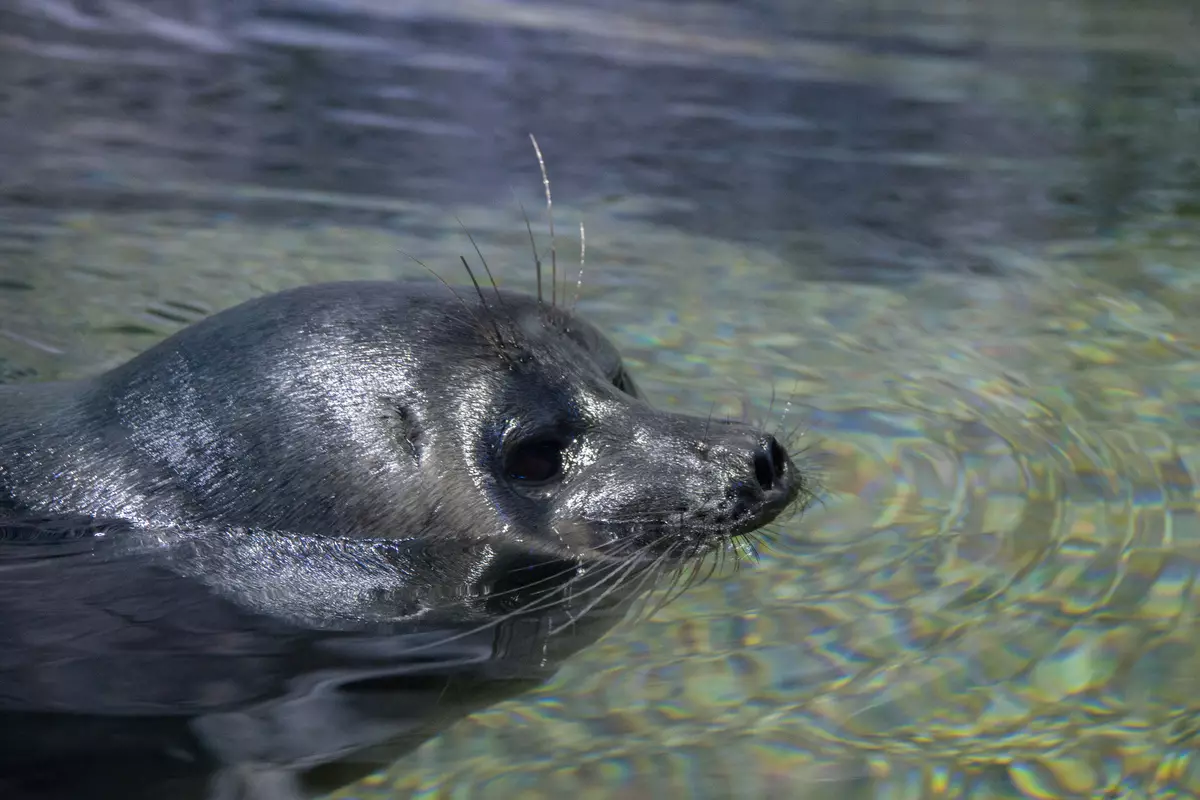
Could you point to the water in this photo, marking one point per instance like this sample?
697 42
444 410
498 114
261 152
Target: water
957 242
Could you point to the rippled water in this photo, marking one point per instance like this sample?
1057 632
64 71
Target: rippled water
959 245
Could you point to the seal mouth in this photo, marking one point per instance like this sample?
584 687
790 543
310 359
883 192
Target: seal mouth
752 504
768 486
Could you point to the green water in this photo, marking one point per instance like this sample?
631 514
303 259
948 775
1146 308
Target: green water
997 597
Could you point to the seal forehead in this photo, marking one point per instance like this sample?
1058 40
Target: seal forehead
556 333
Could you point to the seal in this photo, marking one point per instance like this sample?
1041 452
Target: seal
328 521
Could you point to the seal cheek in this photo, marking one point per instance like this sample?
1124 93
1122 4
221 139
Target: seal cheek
574 535
604 511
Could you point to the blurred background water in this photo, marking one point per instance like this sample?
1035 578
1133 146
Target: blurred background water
959 242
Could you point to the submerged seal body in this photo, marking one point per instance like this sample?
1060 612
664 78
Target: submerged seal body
328 520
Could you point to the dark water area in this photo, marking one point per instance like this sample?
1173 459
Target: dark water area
898 139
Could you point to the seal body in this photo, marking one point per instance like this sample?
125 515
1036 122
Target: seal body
313 529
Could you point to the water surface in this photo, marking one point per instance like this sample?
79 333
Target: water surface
956 242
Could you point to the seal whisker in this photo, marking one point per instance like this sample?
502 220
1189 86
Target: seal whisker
660 569
745 551
479 324
561 596
779 426
677 577
638 550
620 571
792 434
539 582
52 350
620 580
743 395
654 573
737 555
677 588
540 603
698 564
617 547
550 218
694 576
684 553
648 518
755 542
482 260
537 260
579 280
483 302
579 576
708 422
631 550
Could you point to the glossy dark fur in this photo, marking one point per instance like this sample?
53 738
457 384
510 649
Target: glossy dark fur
295 534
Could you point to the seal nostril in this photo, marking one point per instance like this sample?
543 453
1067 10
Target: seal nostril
764 472
779 457
768 463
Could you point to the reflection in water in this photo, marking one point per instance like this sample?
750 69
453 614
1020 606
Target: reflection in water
1139 124
153 685
891 159
997 599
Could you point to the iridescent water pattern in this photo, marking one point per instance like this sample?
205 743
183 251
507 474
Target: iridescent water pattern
997 597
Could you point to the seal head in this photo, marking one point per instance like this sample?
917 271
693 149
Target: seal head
395 413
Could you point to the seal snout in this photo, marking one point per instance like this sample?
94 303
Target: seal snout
768 487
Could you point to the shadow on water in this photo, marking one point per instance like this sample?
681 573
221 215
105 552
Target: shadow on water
958 241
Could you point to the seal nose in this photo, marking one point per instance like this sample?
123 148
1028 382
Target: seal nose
769 490
770 461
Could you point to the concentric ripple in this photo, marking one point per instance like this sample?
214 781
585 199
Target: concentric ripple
995 599
1016 574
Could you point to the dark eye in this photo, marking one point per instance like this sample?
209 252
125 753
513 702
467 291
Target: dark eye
535 462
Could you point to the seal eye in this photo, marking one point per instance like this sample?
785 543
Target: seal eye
536 462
